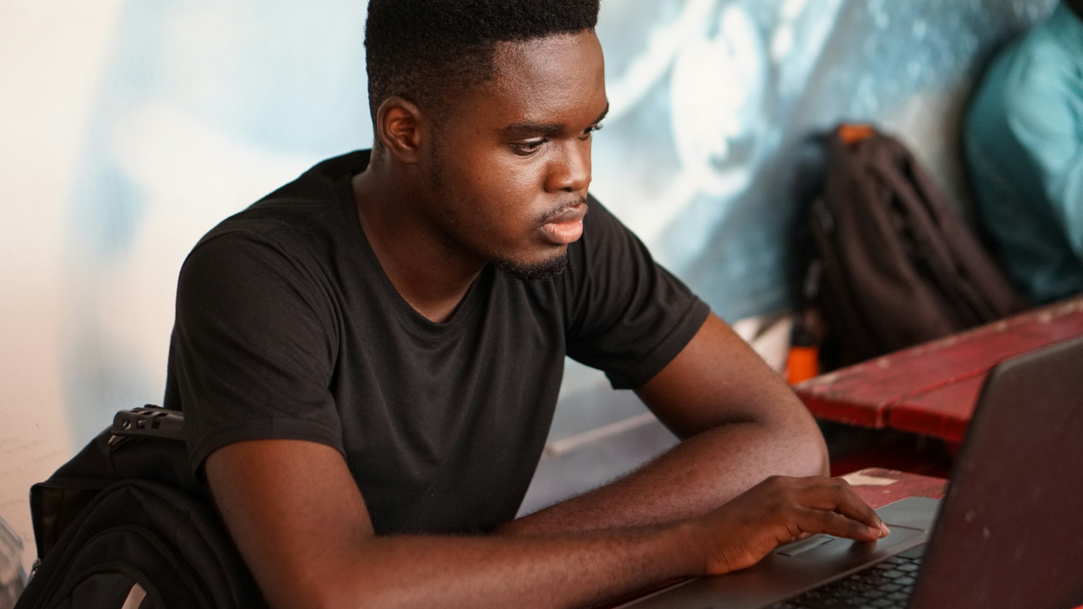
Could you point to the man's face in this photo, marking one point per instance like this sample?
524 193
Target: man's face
510 166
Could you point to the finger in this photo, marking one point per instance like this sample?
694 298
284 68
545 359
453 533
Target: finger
836 495
833 523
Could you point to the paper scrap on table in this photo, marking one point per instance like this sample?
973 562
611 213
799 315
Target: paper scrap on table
859 479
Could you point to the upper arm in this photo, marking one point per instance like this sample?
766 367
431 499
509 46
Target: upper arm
251 358
718 379
253 349
294 512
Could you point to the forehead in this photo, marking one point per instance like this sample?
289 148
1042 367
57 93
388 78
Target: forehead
542 81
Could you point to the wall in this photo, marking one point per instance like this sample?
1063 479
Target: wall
130 127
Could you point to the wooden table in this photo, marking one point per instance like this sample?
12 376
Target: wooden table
931 389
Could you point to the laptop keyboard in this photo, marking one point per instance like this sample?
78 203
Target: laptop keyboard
885 585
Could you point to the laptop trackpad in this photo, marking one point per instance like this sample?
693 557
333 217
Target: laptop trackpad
826 547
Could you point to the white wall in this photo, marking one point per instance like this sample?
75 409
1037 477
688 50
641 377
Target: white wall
51 53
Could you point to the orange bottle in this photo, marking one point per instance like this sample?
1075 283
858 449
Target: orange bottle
803 361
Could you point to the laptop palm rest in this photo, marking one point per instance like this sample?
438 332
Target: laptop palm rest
801 565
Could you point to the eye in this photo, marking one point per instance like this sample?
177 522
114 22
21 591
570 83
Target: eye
590 130
528 147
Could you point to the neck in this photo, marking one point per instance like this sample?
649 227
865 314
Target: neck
429 274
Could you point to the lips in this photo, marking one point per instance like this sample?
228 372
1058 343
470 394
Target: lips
566 226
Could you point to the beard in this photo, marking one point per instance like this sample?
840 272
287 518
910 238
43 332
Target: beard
530 272
535 272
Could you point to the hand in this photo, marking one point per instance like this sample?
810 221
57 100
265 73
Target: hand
780 510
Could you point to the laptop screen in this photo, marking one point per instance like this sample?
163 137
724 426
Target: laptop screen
1010 532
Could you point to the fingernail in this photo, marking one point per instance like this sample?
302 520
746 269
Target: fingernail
883 527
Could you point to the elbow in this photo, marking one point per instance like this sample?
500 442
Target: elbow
823 461
810 449
325 595
330 594
800 447
331 588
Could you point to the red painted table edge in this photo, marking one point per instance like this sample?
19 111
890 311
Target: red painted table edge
898 412
841 412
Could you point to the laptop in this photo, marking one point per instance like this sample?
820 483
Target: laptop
1009 532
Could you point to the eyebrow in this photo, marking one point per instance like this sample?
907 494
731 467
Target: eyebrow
520 129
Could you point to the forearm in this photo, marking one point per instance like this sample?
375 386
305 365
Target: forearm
694 477
543 572
742 424
324 554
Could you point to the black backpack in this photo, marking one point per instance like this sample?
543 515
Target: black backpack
125 525
893 265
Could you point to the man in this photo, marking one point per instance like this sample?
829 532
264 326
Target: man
1024 149
369 357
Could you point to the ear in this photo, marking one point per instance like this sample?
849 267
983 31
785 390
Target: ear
400 126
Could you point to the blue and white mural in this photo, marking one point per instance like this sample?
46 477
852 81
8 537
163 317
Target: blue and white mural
208 104
202 106
714 99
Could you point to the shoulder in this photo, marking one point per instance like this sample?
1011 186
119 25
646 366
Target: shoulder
302 220
286 246
603 233
600 218
606 251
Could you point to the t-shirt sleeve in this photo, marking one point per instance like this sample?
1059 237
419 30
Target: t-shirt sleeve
627 316
253 347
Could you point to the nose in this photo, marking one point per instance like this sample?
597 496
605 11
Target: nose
569 171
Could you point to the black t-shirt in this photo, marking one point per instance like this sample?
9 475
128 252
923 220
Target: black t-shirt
287 327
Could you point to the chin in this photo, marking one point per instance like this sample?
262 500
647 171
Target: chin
535 271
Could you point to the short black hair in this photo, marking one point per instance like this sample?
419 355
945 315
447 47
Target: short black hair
422 50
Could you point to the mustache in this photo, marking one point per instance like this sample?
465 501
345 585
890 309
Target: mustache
544 218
